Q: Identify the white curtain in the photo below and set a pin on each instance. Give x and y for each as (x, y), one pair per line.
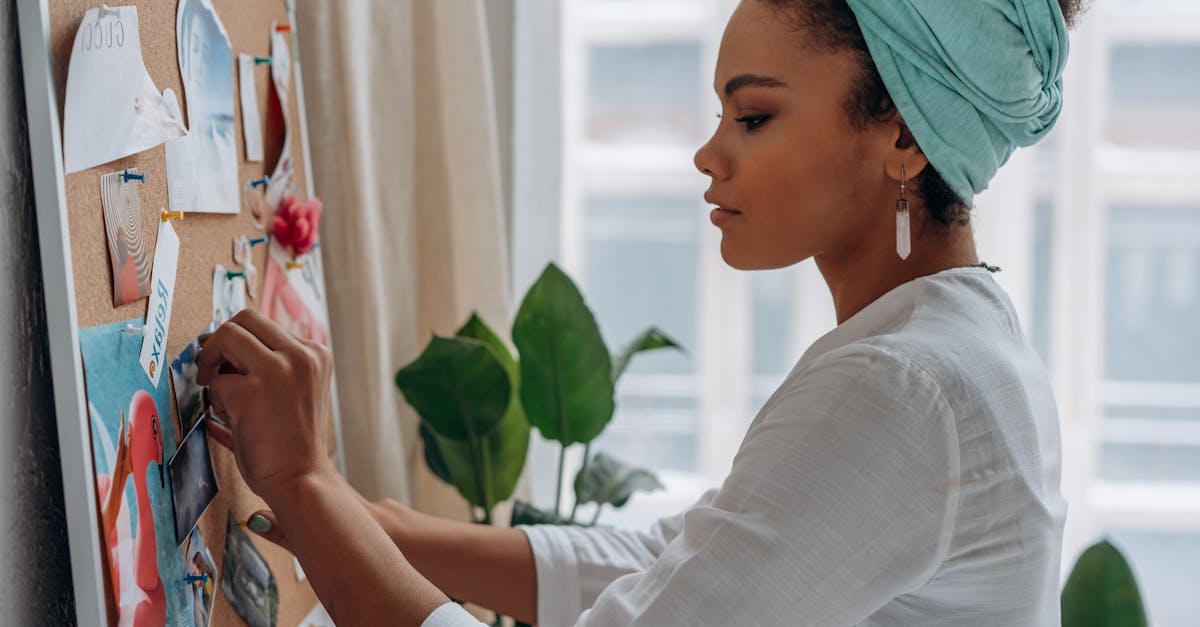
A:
(402, 123)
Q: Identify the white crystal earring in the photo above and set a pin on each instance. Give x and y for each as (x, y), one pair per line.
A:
(903, 237)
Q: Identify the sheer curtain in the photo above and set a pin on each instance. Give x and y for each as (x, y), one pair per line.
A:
(403, 131)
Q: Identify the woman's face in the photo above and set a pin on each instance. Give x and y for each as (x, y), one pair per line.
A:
(790, 178)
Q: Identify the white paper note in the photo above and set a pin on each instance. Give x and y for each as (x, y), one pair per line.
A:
(229, 295)
(113, 109)
(251, 126)
(158, 314)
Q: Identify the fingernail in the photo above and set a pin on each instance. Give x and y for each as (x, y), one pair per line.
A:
(259, 523)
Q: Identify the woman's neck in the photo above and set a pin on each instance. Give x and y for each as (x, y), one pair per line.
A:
(858, 276)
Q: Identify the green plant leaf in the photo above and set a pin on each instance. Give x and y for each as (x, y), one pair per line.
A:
(501, 455)
(650, 339)
(475, 328)
(566, 383)
(525, 514)
(433, 455)
(1102, 591)
(606, 480)
(462, 391)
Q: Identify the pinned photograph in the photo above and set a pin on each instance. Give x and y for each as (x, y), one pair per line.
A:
(247, 580)
(127, 253)
(201, 579)
(206, 65)
(293, 298)
(191, 399)
(192, 481)
(278, 139)
(229, 293)
(131, 441)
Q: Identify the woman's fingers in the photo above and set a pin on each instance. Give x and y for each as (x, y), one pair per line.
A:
(221, 434)
(270, 334)
(262, 523)
(233, 344)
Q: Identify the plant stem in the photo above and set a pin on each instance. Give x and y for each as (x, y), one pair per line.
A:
(562, 457)
(596, 516)
(587, 449)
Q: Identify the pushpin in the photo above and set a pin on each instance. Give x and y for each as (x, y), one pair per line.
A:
(283, 28)
(295, 265)
(132, 330)
(261, 60)
(191, 579)
(230, 274)
(262, 181)
(255, 241)
(106, 10)
(133, 177)
(171, 215)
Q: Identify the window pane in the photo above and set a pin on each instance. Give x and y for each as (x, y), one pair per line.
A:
(1153, 90)
(653, 432)
(647, 93)
(1153, 295)
(1149, 462)
(1164, 564)
(641, 272)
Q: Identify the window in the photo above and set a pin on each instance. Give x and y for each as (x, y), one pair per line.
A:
(1097, 229)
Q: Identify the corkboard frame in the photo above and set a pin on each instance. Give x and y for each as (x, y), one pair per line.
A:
(66, 309)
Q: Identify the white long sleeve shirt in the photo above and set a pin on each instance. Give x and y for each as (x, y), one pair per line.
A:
(906, 472)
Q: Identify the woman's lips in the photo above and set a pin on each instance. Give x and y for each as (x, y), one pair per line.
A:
(722, 216)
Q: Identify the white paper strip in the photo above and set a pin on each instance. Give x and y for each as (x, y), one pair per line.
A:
(158, 314)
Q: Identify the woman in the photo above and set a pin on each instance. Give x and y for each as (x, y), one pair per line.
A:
(905, 473)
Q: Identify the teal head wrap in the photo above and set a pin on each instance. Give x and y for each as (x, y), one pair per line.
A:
(973, 79)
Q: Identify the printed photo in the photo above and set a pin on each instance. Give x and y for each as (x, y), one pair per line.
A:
(127, 252)
(247, 580)
(192, 481)
(191, 399)
(206, 65)
(131, 441)
(294, 298)
(202, 578)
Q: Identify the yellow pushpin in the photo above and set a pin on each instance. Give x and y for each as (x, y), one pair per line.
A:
(171, 215)
(294, 265)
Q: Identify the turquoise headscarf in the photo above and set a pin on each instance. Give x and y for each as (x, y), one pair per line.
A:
(973, 79)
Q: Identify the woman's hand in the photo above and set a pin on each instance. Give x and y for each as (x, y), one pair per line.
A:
(272, 391)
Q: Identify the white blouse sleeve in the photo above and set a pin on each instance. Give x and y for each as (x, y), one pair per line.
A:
(842, 497)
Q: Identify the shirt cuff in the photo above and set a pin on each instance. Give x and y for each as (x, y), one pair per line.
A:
(558, 592)
(451, 615)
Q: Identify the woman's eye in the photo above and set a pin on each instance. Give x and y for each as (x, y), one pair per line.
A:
(752, 121)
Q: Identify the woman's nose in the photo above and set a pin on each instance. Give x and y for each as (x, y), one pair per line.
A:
(709, 161)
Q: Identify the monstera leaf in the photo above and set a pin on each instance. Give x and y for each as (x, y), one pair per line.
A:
(650, 339)
(566, 372)
(606, 480)
(462, 391)
(1101, 591)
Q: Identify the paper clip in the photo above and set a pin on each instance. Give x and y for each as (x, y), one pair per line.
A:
(126, 176)
(171, 215)
(283, 28)
(262, 181)
(261, 60)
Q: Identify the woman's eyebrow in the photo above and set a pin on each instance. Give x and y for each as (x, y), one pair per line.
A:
(750, 80)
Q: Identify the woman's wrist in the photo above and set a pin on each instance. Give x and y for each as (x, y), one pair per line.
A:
(297, 488)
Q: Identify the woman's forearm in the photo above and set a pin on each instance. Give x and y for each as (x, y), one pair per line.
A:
(489, 566)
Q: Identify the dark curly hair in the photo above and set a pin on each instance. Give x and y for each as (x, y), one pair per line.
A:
(830, 26)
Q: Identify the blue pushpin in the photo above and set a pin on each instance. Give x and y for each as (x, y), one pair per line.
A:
(229, 274)
(261, 60)
(262, 181)
(191, 579)
(255, 241)
(127, 176)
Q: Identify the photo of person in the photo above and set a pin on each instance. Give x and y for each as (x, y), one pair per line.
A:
(247, 581)
(206, 65)
(293, 298)
(192, 480)
(190, 399)
(202, 577)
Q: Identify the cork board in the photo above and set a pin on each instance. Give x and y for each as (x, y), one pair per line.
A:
(205, 239)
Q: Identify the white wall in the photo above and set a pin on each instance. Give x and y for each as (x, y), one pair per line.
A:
(35, 565)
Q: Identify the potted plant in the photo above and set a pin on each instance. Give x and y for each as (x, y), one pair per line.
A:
(478, 402)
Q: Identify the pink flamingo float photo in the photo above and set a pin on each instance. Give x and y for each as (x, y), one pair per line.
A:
(136, 449)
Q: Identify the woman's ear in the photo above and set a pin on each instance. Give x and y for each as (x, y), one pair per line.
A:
(904, 152)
